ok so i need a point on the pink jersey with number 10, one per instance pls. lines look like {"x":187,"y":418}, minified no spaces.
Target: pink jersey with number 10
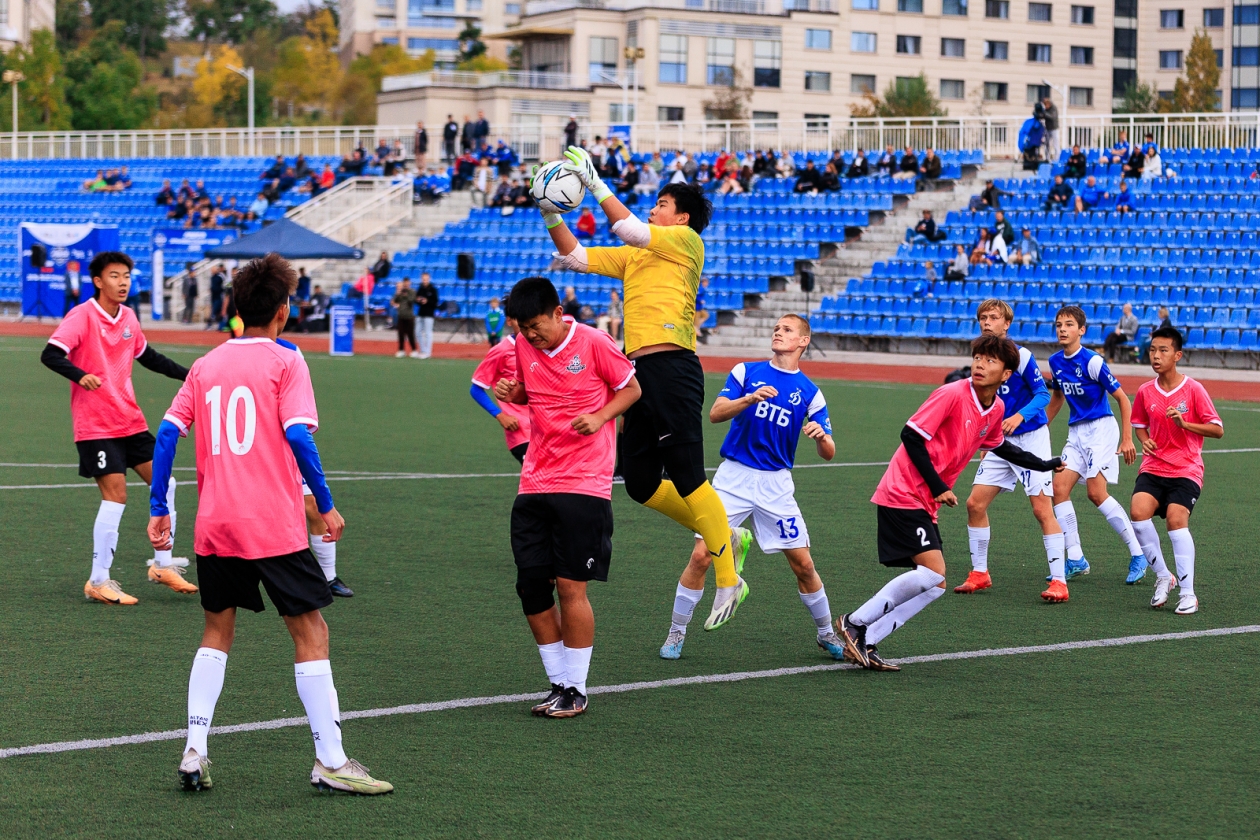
{"x":242,"y":396}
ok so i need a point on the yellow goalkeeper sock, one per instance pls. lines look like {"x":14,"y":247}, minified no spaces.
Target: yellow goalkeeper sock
{"x":711,"y":523}
{"x":667,"y":501}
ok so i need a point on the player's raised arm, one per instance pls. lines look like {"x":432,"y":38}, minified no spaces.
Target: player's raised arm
{"x":580,"y":163}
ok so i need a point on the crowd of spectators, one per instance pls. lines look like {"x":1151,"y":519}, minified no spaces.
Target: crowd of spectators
{"x":108,"y":181}
{"x":193,"y":207}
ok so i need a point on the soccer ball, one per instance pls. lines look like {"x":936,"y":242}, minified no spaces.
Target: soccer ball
{"x":556,"y":189}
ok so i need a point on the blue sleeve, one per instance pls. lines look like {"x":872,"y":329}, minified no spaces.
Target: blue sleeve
{"x":1108,"y":380}
{"x":303,"y":446}
{"x":733,"y":389}
{"x":822,"y":418}
{"x":482,"y":398}
{"x":163,"y":460}
{"x":1037,"y":385}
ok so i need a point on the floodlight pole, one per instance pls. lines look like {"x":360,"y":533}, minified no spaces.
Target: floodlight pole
{"x":12,"y":77}
{"x":248,"y":73}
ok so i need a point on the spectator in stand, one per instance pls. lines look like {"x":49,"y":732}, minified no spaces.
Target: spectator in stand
{"x":504,"y":158}
{"x":166,"y":195}
{"x":1090,"y":196}
{"x":1149,"y":144}
{"x":980,"y":248}
{"x":703,"y":176}
{"x":859,"y":168}
{"x":481,"y":129}
{"x":494,"y":322}
{"x":676,"y":173}
{"x":730,"y":184}
{"x":1119,"y":152}
{"x":1164,"y":320}
{"x":482,"y":182}
{"x":930,"y":168}
{"x":908,"y":167}
{"x":466,"y":169}
{"x":519,"y":196}
{"x":1050,"y":119}
{"x":725,"y":160}
{"x":760,"y":165}
{"x":450,"y":133}
{"x":997,"y":251}
{"x":747,"y":178}
{"x":1124,"y":199}
{"x":1075,"y":166}
{"x":189,"y":289}
{"x":958,"y":268}
{"x":990,"y":198}
{"x":186,"y":192}
{"x":1122,"y":334}
{"x":316,"y":319}
{"x":364,"y":285}
{"x":924,"y":232}
{"x":427,"y":302}
{"x":924,"y":287}
{"x":571,"y":131}
{"x":1060,"y":196}
{"x":502,"y":193}
{"x":657,"y":163}
{"x":629,"y":182}
{"x":467,"y":136}
{"x":121,"y":181}
{"x":586,"y":224}
{"x":649,"y":181}
{"x":404,"y":303}
{"x":614,"y":315}
{"x":382,"y":152}
{"x":180,"y":210}
{"x":1003,"y":228}
{"x":420,"y":145}
{"x":702,"y":304}
{"x":1133,"y":168}
{"x":218,"y":279}
{"x":354,"y":164}
{"x":1028,"y":252}
{"x":1144,"y":349}
{"x":382,"y":267}
{"x":96,"y":184}
{"x":272,"y":191}
{"x":303,"y":291}
{"x":301,"y":169}
{"x":1153,"y":167}
{"x":886,"y":164}
{"x":274,"y":171}
{"x":286,"y":181}
{"x":597,"y":152}
{"x":829,"y":181}
{"x":808,"y":180}
{"x":571,"y":305}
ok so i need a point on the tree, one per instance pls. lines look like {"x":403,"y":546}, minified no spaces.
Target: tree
{"x":71,"y":20}
{"x":1139,"y":98}
{"x":228,"y":21}
{"x":308,"y":75}
{"x":907,"y":96}
{"x":470,"y":44}
{"x":363,"y":80}
{"x":216,"y":88}
{"x":730,"y":103}
{"x":42,"y":96}
{"x":106,"y":83}
{"x":144,"y":21}
{"x":1196,"y":91}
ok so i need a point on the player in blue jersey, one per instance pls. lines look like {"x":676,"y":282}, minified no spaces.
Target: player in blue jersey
{"x":1080,"y":378}
{"x":1024,"y":397}
{"x":771,"y":404}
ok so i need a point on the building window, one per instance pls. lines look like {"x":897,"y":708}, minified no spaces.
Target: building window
{"x":435,"y":44}
{"x":913,"y":6}
{"x":473,"y":5}
{"x":1040,"y":12}
{"x":386,"y":23}
{"x":1124,"y":43}
{"x":767,"y":61}
{"x":817,"y":81}
{"x":1245,"y":97}
{"x":1220,"y":57}
{"x":1244,"y":15}
{"x":673,"y":60}
{"x":866,"y":5}
{"x":1176,"y":18}
{"x":668,"y":113}
{"x":765,"y":119}
{"x":423,"y":22}
{"x":862,"y":42}
{"x":1081,"y":97}
{"x":817,"y":39}
{"x":817,"y":120}
{"x":619,"y":114}
{"x":603,"y":61}
{"x":721,"y":62}
{"x":1039,"y":53}
{"x":957,"y":8}
{"x":391,"y":41}
{"x":1170,"y":59}
{"x":995,"y":91}
{"x":380,"y":5}
{"x":1126,"y":8}
{"x":861,"y":84}
{"x":1247,"y":56}
{"x":1213,"y":18}
{"x":1000,"y":9}
{"x":954,"y":47}
{"x":1036,"y":93}
{"x":1083,"y":15}
{"x":511,"y":8}
{"x":996,"y":50}
{"x":1083,"y":55}
{"x":953,"y":89}
{"x":909,"y":44}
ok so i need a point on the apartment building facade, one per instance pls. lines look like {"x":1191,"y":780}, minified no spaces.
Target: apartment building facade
{"x":418,"y":25}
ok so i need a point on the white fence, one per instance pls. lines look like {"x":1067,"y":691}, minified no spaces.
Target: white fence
{"x":356,"y":209}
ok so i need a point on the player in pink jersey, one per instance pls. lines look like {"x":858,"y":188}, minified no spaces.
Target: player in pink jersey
{"x":1172,"y":414}
{"x":94,"y":347}
{"x":254,"y":410}
{"x":500,"y":363}
{"x":937,"y":443}
{"x":575,"y":382}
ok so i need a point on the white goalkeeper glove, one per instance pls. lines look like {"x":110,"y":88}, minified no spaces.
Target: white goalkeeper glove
{"x":580,"y":163}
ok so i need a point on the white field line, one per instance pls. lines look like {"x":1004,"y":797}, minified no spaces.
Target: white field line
{"x":702,"y":679}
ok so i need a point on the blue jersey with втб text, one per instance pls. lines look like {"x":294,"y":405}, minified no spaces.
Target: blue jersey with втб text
{"x":1026,"y":393}
{"x":764,"y":436}
{"x":1085,"y":381}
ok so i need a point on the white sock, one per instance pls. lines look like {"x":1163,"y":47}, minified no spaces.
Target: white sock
{"x":881,"y":629}
{"x":577,"y":662}
{"x":978,"y":541}
{"x":319,"y":696}
{"x":685,"y":601}
{"x":895,"y":593}
{"x":325,"y":554}
{"x":1119,"y":522}
{"x":1066,"y":514}
{"x":816,"y":603}
{"x":1054,"y":555}
{"x":1148,"y":537}
{"x":204,"y":685}
{"x":105,"y":539}
{"x":1183,"y":554}
{"x":163,"y":557}
{"x":553,"y":662}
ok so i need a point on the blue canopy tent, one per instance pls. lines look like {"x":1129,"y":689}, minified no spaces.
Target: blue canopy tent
{"x":288,"y":239}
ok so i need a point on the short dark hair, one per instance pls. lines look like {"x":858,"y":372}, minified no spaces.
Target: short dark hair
{"x":1002,"y":349}
{"x":690,"y":199}
{"x":104,"y":260}
{"x":1172,"y":334}
{"x":530,"y":298}
{"x":1074,"y":312}
{"x":261,"y":287}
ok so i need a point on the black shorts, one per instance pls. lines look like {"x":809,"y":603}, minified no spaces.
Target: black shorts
{"x":1168,"y":491}
{"x":294,"y":583}
{"x":669,"y":411}
{"x":518,"y":451}
{"x":114,"y":455}
{"x":904,"y":533}
{"x":565,"y":535}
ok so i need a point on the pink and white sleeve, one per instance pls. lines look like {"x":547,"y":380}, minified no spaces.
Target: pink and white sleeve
{"x":1205,"y":407}
{"x":183,"y":407}
{"x":613,"y":366}
{"x":69,"y":332}
{"x":1140,"y":419}
{"x":935,"y":410}
{"x":297,"y":396}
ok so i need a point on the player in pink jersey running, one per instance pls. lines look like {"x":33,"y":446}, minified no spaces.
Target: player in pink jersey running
{"x":254,"y":410}
{"x":1172,"y":414}
{"x":937,"y":443}
{"x":94,"y":347}
{"x":500,"y":363}
{"x":575,"y":382}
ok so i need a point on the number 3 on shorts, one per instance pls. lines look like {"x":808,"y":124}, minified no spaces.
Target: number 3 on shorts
{"x":790,"y":531}
{"x":923,"y":540}
{"x":100,"y":459}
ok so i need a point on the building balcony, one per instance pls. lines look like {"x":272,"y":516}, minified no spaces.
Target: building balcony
{"x":505,"y":79}
{"x":736,"y":7}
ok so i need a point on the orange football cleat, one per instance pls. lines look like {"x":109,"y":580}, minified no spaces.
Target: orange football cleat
{"x":1056,"y":592}
{"x":172,"y":576}
{"x":108,"y":592}
{"x":974,"y":583}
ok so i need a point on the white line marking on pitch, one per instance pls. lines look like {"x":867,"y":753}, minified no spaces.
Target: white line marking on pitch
{"x":702,"y":679}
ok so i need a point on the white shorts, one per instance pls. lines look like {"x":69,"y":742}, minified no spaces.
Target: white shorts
{"x":769,"y":498}
{"x":998,"y":472}
{"x":1091,"y":449}
{"x":306,"y":490}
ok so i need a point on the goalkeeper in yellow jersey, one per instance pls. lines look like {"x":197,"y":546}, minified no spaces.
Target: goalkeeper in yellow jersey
{"x":660,"y":267}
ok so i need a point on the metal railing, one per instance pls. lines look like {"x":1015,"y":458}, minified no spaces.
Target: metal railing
{"x":356,"y":209}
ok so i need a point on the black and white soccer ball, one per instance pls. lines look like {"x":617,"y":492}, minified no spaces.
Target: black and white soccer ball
{"x":556,"y":189}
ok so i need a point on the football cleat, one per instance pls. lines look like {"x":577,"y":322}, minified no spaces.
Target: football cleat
{"x":194,"y":771}
{"x":1075,"y":568}
{"x":1163,"y":587}
{"x":571,"y":704}
{"x":877,"y":662}
{"x":1056,"y":592}
{"x":672,"y":649}
{"x":351,"y":777}
{"x":1137,"y":569}
{"x":854,"y":638}
{"x":338,"y":587}
{"x":725,"y":603}
{"x":172,"y":575}
{"x":741,"y":542}
{"x":833,"y":644}
{"x":557,"y":691}
{"x":108,"y":592}
{"x":974,"y":583}
{"x":1187,"y":605}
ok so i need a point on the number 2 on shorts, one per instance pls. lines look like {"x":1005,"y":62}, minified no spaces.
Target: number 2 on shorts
{"x":923,"y":540}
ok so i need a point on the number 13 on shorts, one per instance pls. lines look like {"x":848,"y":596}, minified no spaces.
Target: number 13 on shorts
{"x":788,"y":529}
